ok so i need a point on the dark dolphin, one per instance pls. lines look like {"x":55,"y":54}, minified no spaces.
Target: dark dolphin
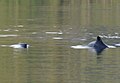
{"x":20,"y":45}
{"x":24,"y":45}
{"x":98,"y":45}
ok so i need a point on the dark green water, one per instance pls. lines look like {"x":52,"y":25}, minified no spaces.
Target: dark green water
{"x":51,"y":27}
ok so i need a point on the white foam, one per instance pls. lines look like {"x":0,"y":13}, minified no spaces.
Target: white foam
{"x":6,"y":30}
{"x":80,"y":47}
{"x":110,"y":37}
{"x":34,"y":32}
{"x":10,"y":35}
{"x":4,"y":45}
{"x":15,"y":46}
{"x":117,"y":45}
{"x":16,"y":30}
{"x":60,"y":32}
{"x":57,"y":38}
{"x":109,"y":46}
{"x":20,"y":26}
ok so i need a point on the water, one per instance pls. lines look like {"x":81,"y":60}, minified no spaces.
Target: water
{"x":51,"y":27}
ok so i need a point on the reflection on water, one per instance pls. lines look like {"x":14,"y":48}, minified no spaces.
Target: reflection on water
{"x":51,"y":27}
{"x":10,"y":35}
{"x":54,"y":32}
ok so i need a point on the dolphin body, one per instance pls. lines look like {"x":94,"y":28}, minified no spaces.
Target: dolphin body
{"x":98,"y":45}
{"x":20,"y":45}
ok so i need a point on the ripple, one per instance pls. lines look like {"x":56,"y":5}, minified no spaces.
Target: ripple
{"x":9,"y":30}
{"x":20,"y":26}
{"x":4,"y":45}
{"x":57,"y":38}
{"x":110,"y":37}
{"x":9,"y":35}
{"x":6,"y":30}
{"x":52,"y":32}
{"x":34,"y":32}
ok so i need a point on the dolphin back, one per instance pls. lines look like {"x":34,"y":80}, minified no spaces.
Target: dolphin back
{"x":100,"y":46}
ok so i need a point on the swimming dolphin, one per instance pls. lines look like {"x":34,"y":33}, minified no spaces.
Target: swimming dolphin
{"x":20,"y":45}
{"x":98,"y":45}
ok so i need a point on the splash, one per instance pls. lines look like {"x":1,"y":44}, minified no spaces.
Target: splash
{"x":80,"y":47}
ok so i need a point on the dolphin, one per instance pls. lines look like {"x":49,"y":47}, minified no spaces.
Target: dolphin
{"x":98,"y":45}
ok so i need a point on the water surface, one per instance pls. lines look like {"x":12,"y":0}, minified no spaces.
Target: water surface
{"x":51,"y":27}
